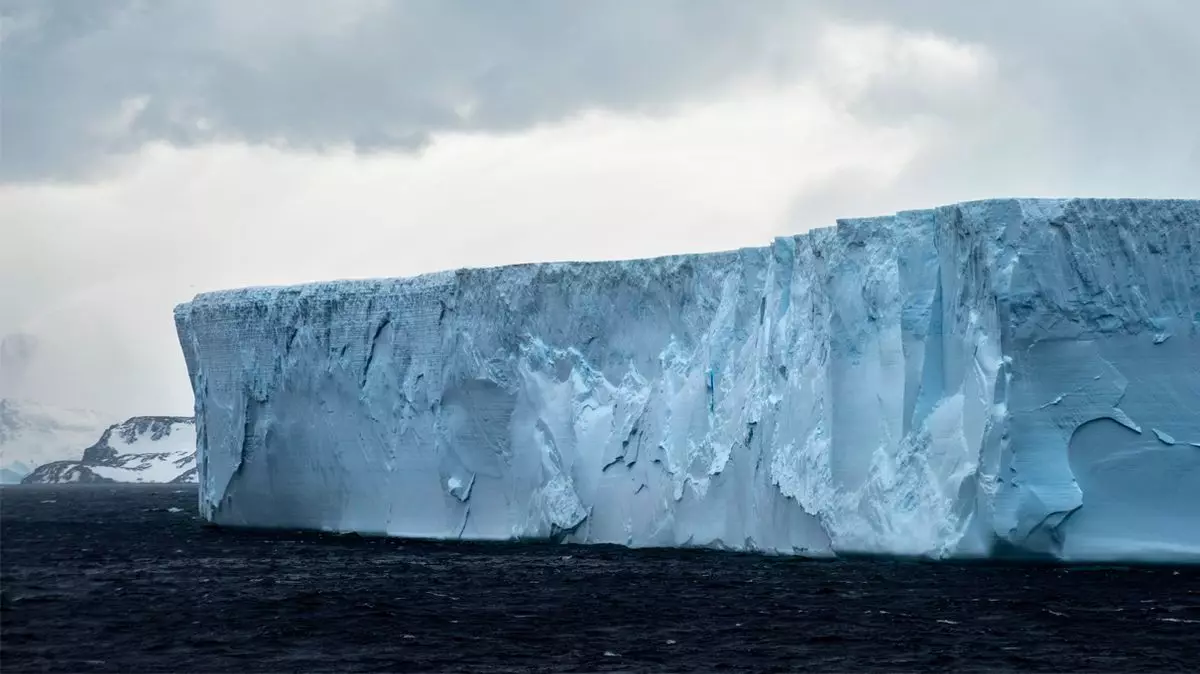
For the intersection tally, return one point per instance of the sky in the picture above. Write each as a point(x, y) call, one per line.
point(154, 149)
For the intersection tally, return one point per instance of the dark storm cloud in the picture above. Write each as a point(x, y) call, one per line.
point(82, 80)
point(1081, 84)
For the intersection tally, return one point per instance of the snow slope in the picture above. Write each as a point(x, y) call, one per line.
point(1011, 377)
point(32, 434)
point(142, 449)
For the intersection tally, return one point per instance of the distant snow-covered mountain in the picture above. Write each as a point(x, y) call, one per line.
point(142, 449)
point(32, 434)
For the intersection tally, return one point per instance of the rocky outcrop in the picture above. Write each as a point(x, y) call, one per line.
point(142, 449)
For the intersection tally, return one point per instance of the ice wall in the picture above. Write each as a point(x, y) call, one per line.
point(989, 378)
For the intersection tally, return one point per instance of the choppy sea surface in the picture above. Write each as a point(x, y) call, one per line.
point(128, 579)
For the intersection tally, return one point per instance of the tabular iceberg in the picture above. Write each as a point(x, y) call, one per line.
point(1009, 377)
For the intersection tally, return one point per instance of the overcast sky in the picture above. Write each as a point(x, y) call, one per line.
point(150, 150)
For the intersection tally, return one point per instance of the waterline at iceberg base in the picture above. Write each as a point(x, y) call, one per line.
point(996, 377)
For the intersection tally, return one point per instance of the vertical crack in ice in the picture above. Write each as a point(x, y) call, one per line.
point(372, 345)
point(462, 527)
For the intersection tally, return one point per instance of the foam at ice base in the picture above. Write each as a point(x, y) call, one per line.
point(998, 377)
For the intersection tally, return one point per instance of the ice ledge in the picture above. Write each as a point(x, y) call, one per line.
point(986, 376)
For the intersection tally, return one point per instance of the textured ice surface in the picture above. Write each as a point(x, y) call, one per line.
point(989, 378)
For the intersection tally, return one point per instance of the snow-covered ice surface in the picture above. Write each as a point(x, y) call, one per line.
point(32, 434)
point(141, 449)
point(1010, 377)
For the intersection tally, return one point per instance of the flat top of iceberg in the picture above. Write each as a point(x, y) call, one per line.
point(438, 279)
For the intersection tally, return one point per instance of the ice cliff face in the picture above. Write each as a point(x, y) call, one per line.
point(990, 378)
point(142, 449)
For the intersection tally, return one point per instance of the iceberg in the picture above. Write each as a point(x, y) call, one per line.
point(987, 379)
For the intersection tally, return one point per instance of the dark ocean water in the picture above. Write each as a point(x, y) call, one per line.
point(127, 579)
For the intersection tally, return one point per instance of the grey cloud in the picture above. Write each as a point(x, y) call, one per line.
point(86, 80)
point(1089, 98)
point(1097, 92)
point(1108, 88)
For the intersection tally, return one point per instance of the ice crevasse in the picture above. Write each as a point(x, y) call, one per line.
point(993, 378)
